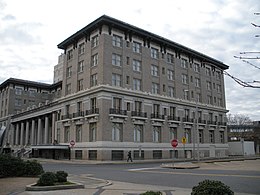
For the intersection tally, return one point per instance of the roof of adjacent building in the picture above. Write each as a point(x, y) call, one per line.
point(114, 23)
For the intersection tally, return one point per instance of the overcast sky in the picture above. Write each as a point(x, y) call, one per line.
point(31, 29)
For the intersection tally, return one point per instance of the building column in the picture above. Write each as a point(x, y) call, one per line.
point(27, 133)
point(53, 127)
point(33, 133)
point(39, 131)
point(46, 129)
point(12, 130)
point(22, 133)
point(17, 134)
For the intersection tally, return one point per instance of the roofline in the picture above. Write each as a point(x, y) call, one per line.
point(106, 20)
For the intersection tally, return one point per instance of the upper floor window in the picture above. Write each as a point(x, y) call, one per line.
point(70, 54)
point(18, 90)
point(196, 67)
point(81, 48)
point(94, 60)
point(197, 82)
point(69, 71)
point(209, 87)
point(81, 66)
point(68, 88)
point(116, 59)
point(116, 80)
point(218, 88)
point(154, 70)
point(184, 63)
point(155, 88)
point(93, 80)
point(184, 78)
point(94, 41)
point(136, 47)
point(186, 94)
point(170, 58)
point(171, 91)
point(32, 92)
point(137, 65)
point(154, 53)
point(80, 84)
point(207, 71)
point(170, 74)
point(218, 75)
point(117, 41)
point(137, 84)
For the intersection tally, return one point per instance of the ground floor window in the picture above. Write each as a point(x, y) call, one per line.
point(78, 154)
point(117, 131)
point(173, 133)
point(157, 154)
point(92, 155)
point(173, 153)
point(188, 135)
point(138, 133)
point(117, 155)
point(92, 132)
point(66, 134)
point(221, 137)
point(201, 136)
point(138, 154)
point(156, 134)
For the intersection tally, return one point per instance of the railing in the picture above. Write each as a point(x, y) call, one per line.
point(66, 116)
point(78, 114)
point(222, 123)
point(157, 116)
point(202, 121)
point(139, 114)
point(92, 111)
point(173, 118)
point(212, 122)
point(117, 111)
point(185, 119)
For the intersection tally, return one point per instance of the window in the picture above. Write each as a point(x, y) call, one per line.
point(173, 133)
point(138, 133)
point(198, 98)
point(117, 103)
point(92, 132)
point(116, 59)
point(81, 48)
point(207, 71)
point(18, 102)
point(197, 82)
point(94, 41)
point(170, 74)
point(68, 89)
point(184, 78)
point(201, 136)
point(218, 88)
point(156, 134)
point(116, 80)
point(78, 133)
point(221, 134)
point(163, 70)
point(154, 70)
point(172, 111)
point(70, 55)
point(18, 90)
point(170, 58)
point(67, 134)
point(171, 91)
point(137, 84)
point(136, 47)
point(209, 97)
point(127, 80)
point(138, 106)
point(154, 53)
point(196, 67)
point(187, 135)
point(156, 109)
point(117, 41)
point(219, 102)
point(80, 84)
point(185, 94)
point(218, 75)
point(94, 60)
point(155, 88)
point(128, 106)
point(117, 132)
point(93, 103)
point(184, 63)
point(32, 92)
point(79, 107)
point(69, 71)
point(93, 80)
point(136, 65)
point(81, 66)
point(208, 85)
point(127, 60)
point(211, 137)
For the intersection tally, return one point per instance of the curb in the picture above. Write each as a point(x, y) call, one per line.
point(75, 185)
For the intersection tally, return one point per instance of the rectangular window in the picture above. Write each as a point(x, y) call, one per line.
point(171, 91)
point(138, 106)
point(155, 88)
point(196, 67)
point(68, 89)
point(116, 59)
point(197, 82)
point(137, 84)
point(117, 103)
point(80, 84)
point(187, 135)
point(173, 133)
point(117, 132)
point(170, 58)
point(211, 137)
point(138, 133)
point(94, 60)
point(69, 71)
point(78, 133)
point(93, 80)
point(209, 99)
point(93, 103)
point(154, 53)
point(32, 92)
point(66, 134)
point(18, 90)
point(81, 66)
point(156, 134)
point(70, 54)
point(127, 80)
point(94, 41)
point(184, 63)
point(116, 80)
point(18, 102)
point(201, 136)
point(154, 70)
point(170, 74)
point(207, 71)
point(92, 132)
point(137, 65)
point(221, 134)
point(81, 48)
point(184, 78)
point(209, 85)
point(136, 47)
point(218, 75)
point(117, 41)
point(156, 109)
point(218, 88)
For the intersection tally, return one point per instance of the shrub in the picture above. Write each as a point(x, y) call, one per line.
point(61, 176)
point(47, 179)
point(151, 193)
point(32, 168)
point(211, 187)
point(11, 166)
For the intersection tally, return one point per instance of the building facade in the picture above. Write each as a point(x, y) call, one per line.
point(126, 89)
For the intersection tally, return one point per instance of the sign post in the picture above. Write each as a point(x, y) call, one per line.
point(184, 140)
point(174, 144)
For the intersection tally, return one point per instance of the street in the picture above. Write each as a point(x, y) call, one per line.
point(241, 176)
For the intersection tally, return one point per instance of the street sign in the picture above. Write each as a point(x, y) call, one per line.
point(174, 143)
point(72, 143)
point(184, 140)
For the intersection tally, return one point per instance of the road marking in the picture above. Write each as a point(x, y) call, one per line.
point(197, 174)
point(141, 169)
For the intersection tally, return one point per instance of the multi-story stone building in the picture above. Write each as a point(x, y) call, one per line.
point(124, 88)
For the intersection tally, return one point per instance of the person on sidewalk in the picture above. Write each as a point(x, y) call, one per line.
point(129, 155)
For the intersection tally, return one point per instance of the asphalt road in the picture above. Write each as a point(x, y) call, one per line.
point(243, 176)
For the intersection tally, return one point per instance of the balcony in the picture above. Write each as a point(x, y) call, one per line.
point(222, 123)
point(187, 120)
point(212, 122)
point(173, 118)
point(139, 114)
point(66, 116)
point(117, 115)
point(200, 121)
point(92, 111)
point(115, 111)
point(78, 114)
point(157, 116)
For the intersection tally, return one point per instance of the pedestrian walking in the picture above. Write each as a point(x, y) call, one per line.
point(129, 155)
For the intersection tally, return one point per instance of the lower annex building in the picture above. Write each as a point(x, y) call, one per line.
point(122, 89)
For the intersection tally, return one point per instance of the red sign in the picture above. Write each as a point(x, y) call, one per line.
point(174, 143)
point(72, 142)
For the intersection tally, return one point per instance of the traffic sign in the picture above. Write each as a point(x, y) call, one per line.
point(174, 143)
point(72, 143)
point(184, 140)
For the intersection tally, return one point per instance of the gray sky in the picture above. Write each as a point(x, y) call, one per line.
point(31, 29)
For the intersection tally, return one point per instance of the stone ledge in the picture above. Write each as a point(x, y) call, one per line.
point(75, 185)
